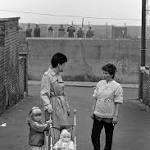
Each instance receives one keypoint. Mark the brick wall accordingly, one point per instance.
(9, 52)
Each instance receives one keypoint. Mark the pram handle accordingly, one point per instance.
(50, 146)
(74, 128)
(74, 118)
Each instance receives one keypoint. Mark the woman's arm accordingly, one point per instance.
(45, 93)
(93, 103)
(117, 101)
(116, 112)
(93, 106)
(67, 105)
(94, 99)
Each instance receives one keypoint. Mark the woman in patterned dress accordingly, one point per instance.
(52, 94)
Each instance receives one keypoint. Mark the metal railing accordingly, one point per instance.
(144, 88)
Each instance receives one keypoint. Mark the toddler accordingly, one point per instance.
(37, 128)
(65, 142)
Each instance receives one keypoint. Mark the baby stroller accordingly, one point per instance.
(71, 128)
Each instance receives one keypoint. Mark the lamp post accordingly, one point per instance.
(143, 46)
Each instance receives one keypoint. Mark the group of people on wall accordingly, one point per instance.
(36, 31)
(70, 32)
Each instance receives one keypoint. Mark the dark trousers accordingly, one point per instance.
(96, 131)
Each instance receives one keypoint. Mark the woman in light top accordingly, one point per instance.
(53, 96)
(108, 96)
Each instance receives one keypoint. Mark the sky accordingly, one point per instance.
(66, 11)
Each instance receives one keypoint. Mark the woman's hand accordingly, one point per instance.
(115, 116)
(115, 120)
(92, 115)
(68, 112)
(49, 108)
(49, 122)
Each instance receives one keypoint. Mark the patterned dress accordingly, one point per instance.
(52, 92)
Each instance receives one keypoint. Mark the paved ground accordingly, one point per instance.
(132, 132)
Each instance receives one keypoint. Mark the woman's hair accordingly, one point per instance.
(58, 58)
(110, 68)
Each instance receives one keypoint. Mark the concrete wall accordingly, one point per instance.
(86, 57)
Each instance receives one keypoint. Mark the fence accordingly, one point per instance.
(12, 66)
(13, 85)
(144, 89)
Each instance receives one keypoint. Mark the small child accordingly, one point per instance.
(65, 142)
(37, 128)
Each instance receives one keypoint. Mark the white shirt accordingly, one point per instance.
(107, 94)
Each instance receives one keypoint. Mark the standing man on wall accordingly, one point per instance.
(80, 33)
(71, 30)
(61, 31)
(28, 31)
(37, 31)
(89, 33)
(50, 30)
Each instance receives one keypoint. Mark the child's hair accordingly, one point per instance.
(30, 115)
(65, 132)
(33, 108)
